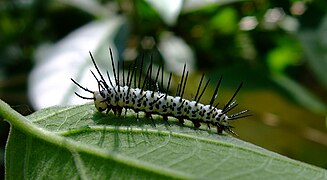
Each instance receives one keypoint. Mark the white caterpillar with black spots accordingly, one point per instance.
(116, 97)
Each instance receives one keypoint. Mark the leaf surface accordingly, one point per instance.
(79, 142)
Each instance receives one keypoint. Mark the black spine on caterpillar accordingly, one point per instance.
(116, 97)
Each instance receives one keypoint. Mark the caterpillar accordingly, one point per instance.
(117, 96)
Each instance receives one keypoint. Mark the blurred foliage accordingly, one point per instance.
(276, 47)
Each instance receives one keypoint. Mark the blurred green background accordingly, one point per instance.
(277, 48)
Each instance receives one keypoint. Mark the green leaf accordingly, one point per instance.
(286, 53)
(78, 142)
(225, 21)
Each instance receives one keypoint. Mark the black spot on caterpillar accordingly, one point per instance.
(116, 96)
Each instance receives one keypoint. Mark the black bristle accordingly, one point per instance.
(96, 67)
(214, 96)
(232, 98)
(80, 86)
(198, 90)
(113, 66)
(205, 87)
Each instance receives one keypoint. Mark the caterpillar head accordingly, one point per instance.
(100, 102)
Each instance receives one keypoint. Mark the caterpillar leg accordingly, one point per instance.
(220, 129)
(165, 118)
(117, 111)
(125, 113)
(148, 115)
(181, 120)
(137, 116)
(108, 110)
(208, 124)
(196, 124)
